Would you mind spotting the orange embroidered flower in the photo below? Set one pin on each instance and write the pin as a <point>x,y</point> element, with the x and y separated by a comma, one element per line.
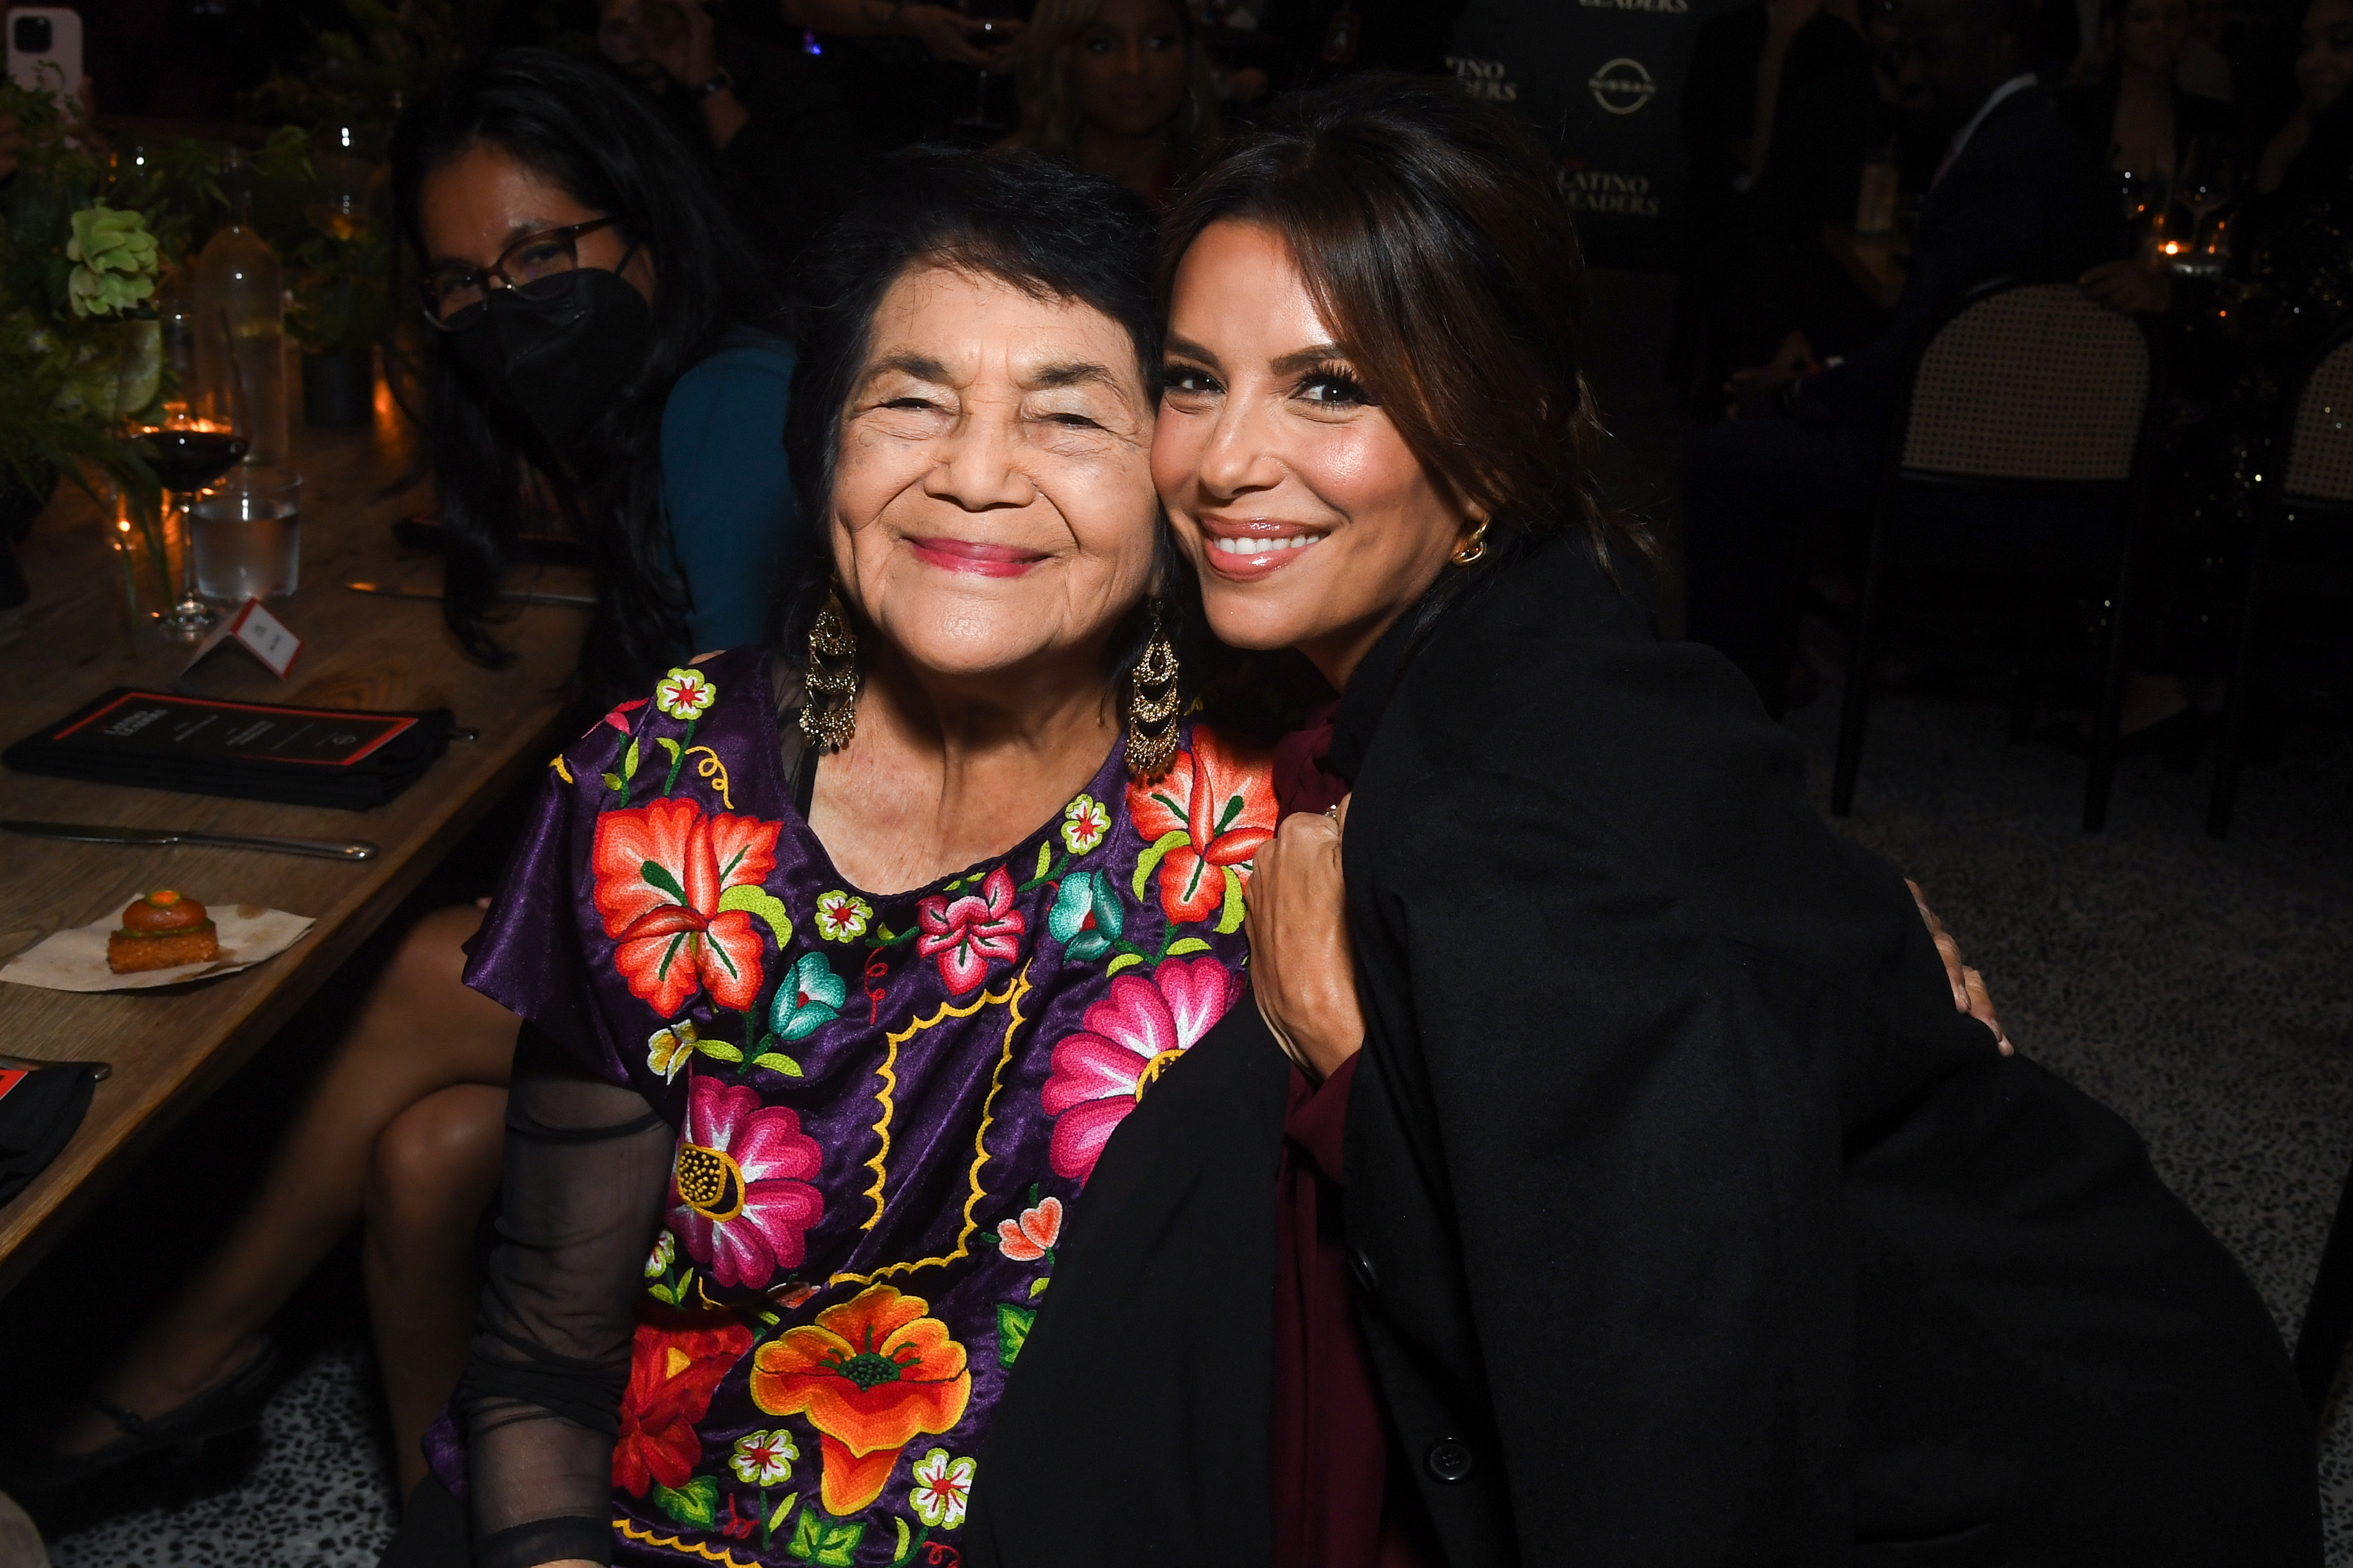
<point>870,1375</point>
<point>1033,1236</point>
<point>671,1376</point>
<point>665,873</point>
<point>1205,818</point>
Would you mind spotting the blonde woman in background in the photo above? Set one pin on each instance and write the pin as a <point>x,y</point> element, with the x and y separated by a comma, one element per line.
<point>1120,87</point>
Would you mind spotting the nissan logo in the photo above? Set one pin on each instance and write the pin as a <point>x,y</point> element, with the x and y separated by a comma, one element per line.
<point>1622,86</point>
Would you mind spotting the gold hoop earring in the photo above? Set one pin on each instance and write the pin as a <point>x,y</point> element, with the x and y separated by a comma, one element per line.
<point>830,710</point>
<point>1473,548</point>
<point>1152,703</point>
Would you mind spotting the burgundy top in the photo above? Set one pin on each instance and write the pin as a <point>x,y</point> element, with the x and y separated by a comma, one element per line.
<point>1331,1455</point>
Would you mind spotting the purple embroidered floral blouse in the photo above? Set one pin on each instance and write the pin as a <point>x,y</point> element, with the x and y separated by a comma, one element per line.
<point>881,1103</point>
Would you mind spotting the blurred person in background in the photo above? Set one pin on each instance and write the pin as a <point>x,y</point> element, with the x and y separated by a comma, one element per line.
<point>2205,69</point>
<point>2244,337</point>
<point>1120,87</point>
<point>1721,320</point>
<point>774,133</point>
<point>598,336</point>
<point>2137,114</point>
<point>2015,191</point>
<point>1831,130</point>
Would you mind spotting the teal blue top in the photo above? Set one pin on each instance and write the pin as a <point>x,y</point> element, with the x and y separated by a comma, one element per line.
<point>726,489</point>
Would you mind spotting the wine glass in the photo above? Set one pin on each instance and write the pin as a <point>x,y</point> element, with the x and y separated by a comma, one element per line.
<point>2145,195</point>
<point>188,452</point>
<point>2203,186</point>
<point>204,433</point>
<point>992,33</point>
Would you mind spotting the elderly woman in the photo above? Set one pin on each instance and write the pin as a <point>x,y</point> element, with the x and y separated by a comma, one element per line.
<point>840,963</point>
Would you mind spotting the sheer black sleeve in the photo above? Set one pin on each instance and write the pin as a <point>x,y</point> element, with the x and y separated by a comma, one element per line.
<point>585,1179</point>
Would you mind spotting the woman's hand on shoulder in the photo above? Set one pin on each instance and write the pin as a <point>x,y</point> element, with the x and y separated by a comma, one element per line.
<point>1970,993</point>
<point>1302,972</point>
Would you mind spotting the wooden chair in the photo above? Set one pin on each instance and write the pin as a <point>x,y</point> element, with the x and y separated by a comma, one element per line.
<point>2024,387</point>
<point>2313,488</point>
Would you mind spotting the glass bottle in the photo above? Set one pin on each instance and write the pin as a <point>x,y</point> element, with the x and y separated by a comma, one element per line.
<point>240,303</point>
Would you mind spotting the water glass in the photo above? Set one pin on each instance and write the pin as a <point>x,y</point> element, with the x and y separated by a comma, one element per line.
<point>247,533</point>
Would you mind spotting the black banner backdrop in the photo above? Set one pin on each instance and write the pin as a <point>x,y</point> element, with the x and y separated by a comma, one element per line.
<point>1602,81</point>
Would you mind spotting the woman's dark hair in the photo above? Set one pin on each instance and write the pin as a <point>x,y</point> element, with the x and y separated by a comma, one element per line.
<point>1027,221</point>
<point>585,130</point>
<point>1432,233</point>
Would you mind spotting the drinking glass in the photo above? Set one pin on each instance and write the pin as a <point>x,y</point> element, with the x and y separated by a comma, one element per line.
<point>245,536</point>
<point>2203,186</point>
<point>188,452</point>
<point>2145,196</point>
<point>990,31</point>
<point>203,435</point>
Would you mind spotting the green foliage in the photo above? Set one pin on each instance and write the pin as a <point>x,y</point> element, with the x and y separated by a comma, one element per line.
<point>114,261</point>
<point>1012,1332</point>
<point>696,1503</point>
<point>391,54</point>
<point>825,1542</point>
<point>78,350</point>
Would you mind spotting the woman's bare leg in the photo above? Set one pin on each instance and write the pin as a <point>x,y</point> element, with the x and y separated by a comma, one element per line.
<point>434,1169</point>
<point>418,1032</point>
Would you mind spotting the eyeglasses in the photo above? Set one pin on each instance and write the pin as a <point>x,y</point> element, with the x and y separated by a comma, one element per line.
<point>530,265</point>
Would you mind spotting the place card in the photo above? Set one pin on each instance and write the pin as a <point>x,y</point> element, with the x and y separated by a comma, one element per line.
<point>259,633</point>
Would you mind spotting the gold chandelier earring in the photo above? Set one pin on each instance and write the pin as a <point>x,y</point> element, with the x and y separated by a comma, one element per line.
<point>1152,703</point>
<point>1474,548</point>
<point>829,709</point>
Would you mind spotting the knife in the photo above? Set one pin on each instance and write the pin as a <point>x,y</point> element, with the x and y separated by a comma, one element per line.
<point>98,1070</point>
<point>536,597</point>
<point>81,833</point>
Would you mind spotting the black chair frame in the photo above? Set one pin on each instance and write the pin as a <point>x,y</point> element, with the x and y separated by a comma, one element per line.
<point>1870,630</point>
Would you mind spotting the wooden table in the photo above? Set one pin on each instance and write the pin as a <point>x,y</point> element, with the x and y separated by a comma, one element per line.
<point>1875,261</point>
<point>171,1047</point>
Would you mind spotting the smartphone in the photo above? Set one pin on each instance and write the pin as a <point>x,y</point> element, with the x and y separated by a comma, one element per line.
<point>45,49</point>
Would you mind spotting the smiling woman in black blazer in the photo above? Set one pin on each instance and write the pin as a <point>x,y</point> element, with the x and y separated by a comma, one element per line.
<point>1688,1221</point>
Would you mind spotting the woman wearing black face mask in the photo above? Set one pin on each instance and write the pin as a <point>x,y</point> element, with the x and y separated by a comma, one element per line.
<point>595,347</point>
<point>596,317</point>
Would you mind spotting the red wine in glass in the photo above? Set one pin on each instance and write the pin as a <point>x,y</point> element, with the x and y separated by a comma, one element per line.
<point>188,459</point>
<point>191,459</point>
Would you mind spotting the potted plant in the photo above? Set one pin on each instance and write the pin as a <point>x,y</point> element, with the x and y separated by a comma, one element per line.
<point>79,351</point>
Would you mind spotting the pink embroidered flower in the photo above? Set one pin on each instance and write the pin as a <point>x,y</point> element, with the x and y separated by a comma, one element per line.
<point>1136,1029</point>
<point>966,933</point>
<point>1033,1236</point>
<point>740,1197</point>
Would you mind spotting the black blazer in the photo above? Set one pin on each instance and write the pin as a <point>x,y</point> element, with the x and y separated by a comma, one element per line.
<point>1693,1224</point>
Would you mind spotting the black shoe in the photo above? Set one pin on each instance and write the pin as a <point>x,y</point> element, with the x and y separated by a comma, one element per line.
<point>230,1406</point>
<point>2177,739</point>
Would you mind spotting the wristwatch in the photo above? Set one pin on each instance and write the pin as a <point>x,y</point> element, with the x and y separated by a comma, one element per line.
<point>719,83</point>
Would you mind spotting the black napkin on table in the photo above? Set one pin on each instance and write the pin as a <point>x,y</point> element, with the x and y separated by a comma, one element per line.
<point>39,1110</point>
<point>348,758</point>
